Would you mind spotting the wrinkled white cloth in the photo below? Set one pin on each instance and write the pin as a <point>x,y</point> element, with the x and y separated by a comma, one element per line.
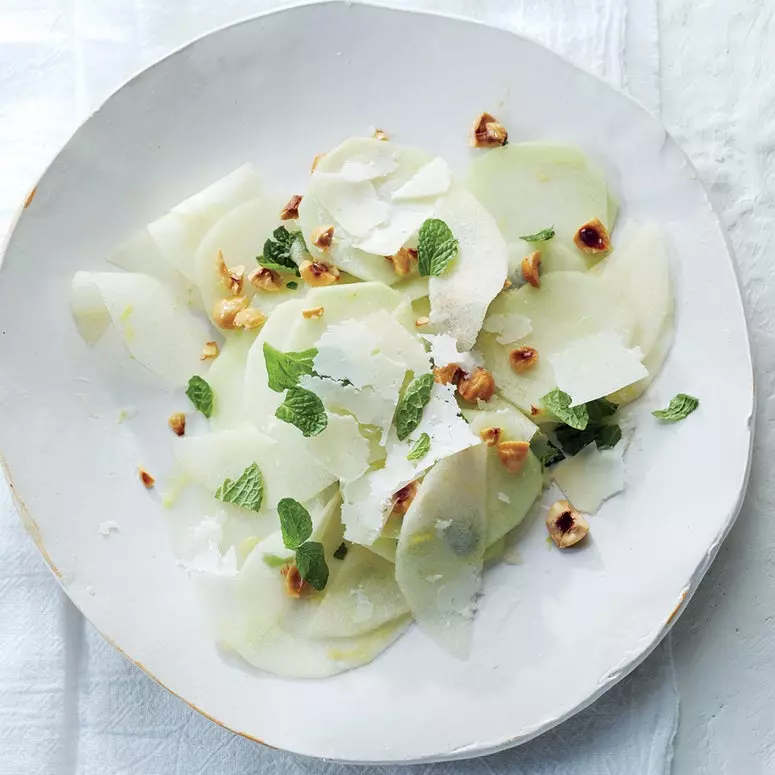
<point>69,704</point>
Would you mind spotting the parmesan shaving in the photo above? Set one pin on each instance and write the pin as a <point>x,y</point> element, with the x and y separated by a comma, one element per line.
<point>592,476</point>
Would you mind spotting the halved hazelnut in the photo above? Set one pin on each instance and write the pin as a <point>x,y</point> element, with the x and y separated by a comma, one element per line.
<point>487,132</point>
<point>403,261</point>
<point>423,321</point>
<point>266,279</point>
<point>231,278</point>
<point>147,480</point>
<point>177,422</point>
<point>313,312</point>
<point>513,455</point>
<point>479,386</point>
<point>317,274</point>
<point>323,237</point>
<point>565,525</point>
<point>380,134</point>
<point>490,436</point>
<point>209,351</point>
<point>402,499</point>
<point>250,317</point>
<point>531,267</point>
<point>592,238</point>
<point>446,374</point>
<point>225,310</point>
<point>523,359</point>
<point>294,583</point>
<point>291,210</point>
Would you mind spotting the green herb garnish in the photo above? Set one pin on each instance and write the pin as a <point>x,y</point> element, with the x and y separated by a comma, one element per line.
<point>421,448</point>
<point>680,407</point>
<point>201,395</point>
<point>303,409</point>
<point>436,247</point>
<point>280,249</point>
<point>558,403</point>
<point>285,369</point>
<point>573,441</point>
<point>246,492</point>
<point>295,523</point>
<point>409,409</point>
<point>540,236</point>
<point>341,551</point>
<point>292,285</point>
<point>311,562</point>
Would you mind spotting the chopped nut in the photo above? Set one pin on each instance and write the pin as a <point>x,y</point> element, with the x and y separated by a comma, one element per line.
<point>478,386</point>
<point>446,374</point>
<point>209,351</point>
<point>294,583</point>
<point>534,410</point>
<point>266,279</point>
<point>146,478</point>
<point>314,312</point>
<point>523,359</point>
<point>231,278</point>
<point>487,132</point>
<point>402,500</point>
<point>249,318</point>
<point>291,210</point>
<point>565,525</point>
<point>322,237</point>
<point>177,422</point>
<point>316,273</point>
<point>490,436</point>
<point>423,321</point>
<point>225,310</point>
<point>506,284</point>
<point>531,266</point>
<point>592,238</point>
<point>513,455</point>
<point>380,134</point>
<point>316,161</point>
<point>403,261</point>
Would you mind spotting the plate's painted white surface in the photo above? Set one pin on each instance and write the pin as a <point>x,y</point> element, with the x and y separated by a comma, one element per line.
<point>553,632</point>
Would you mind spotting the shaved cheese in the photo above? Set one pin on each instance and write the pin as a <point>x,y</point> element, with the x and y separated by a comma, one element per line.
<point>401,223</point>
<point>441,548</point>
<point>157,330</point>
<point>206,539</point>
<point>513,424</point>
<point>227,379</point>
<point>596,366</point>
<point>510,327</point>
<point>433,179</point>
<point>368,166</point>
<point>353,205</point>
<point>590,477</point>
<point>460,296</point>
<point>444,351</point>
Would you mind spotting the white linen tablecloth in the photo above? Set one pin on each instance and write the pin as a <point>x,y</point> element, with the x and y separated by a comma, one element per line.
<point>70,704</point>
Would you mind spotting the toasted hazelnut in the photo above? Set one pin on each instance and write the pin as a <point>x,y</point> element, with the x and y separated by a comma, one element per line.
<point>294,583</point>
<point>380,134</point>
<point>490,436</point>
<point>209,351</point>
<point>316,273</point>
<point>403,261</point>
<point>531,267</point>
<point>225,310</point>
<point>592,238</point>
<point>250,317</point>
<point>147,480</point>
<point>313,312</point>
<point>506,284</point>
<point>266,279</point>
<point>534,410</point>
<point>487,132</point>
<point>446,374</point>
<point>423,321</point>
<point>323,237</point>
<point>402,499</point>
<point>523,359</point>
<point>177,422</point>
<point>513,455</point>
<point>478,386</point>
<point>291,211</point>
<point>565,525</point>
<point>231,278</point>
<point>316,161</point>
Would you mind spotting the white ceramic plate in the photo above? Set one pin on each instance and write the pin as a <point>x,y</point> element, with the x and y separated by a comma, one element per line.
<point>554,632</point>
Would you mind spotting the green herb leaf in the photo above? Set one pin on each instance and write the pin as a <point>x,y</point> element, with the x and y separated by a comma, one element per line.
<point>409,409</point>
<point>201,395</point>
<point>280,249</point>
<point>558,403</point>
<point>311,562</point>
<point>295,523</point>
<point>285,369</point>
<point>292,285</point>
<point>421,448</point>
<point>600,410</point>
<point>341,552</point>
<point>246,492</point>
<point>540,236</point>
<point>573,441</point>
<point>436,247</point>
<point>680,407</point>
<point>303,409</point>
<point>545,451</point>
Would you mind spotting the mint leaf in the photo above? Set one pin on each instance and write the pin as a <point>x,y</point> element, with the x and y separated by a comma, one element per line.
<point>292,285</point>
<point>680,407</point>
<point>409,409</point>
<point>303,409</point>
<point>600,409</point>
<point>341,552</point>
<point>246,492</point>
<point>280,249</point>
<point>201,395</point>
<point>311,562</point>
<point>558,403</point>
<point>544,450</point>
<point>285,369</point>
<point>540,236</point>
<point>421,448</point>
<point>436,247</point>
<point>573,441</point>
<point>295,523</point>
